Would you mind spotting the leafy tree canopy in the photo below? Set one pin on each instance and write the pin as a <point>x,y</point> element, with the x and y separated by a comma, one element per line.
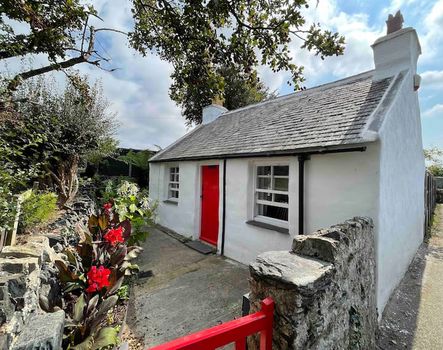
<point>53,132</point>
<point>137,158</point>
<point>433,157</point>
<point>200,37</point>
<point>239,90</point>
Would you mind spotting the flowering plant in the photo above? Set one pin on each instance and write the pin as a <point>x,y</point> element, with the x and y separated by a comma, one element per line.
<point>92,275</point>
<point>131,204</point>
<point>114,236</point>
<point>98,278</point>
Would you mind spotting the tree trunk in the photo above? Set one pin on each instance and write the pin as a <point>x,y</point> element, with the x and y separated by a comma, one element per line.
<point>65,179</point>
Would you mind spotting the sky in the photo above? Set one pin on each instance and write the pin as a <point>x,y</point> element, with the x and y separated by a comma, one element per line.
<point>147,117</point>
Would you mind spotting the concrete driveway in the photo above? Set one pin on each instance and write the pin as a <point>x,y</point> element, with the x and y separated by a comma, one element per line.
<point>187,292</point>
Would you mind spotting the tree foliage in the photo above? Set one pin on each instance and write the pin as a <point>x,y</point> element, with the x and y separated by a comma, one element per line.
<point>200,37</point>
<point>239,89</point>
<point>54,132</point>
<point>59,29</point>
<point>433,156</point>
<point>138,158</point>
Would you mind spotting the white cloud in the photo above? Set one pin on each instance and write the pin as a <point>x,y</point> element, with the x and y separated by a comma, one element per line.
<point>432,78</point>
<point>357,58</point>
<point>432,39</point>
<point>434,111</point>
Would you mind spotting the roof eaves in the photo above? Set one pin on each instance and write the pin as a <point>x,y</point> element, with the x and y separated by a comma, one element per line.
<point>356,145</point>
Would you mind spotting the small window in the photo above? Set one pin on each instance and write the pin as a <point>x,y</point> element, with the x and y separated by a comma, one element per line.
<point>173,186</point>
<point>271,192</point>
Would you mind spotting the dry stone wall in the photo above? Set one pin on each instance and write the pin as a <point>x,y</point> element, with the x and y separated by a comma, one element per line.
<point>324,289</point>
<point>25,284</point>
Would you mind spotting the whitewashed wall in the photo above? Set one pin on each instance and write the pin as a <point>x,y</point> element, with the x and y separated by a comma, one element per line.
<point>182,217</point>
<point>338,187</point>
<point>401,215</point>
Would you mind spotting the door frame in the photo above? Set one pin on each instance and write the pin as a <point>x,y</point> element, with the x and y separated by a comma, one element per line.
<point>199,188</point>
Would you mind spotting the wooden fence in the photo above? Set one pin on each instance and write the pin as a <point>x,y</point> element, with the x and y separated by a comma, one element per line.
<point>430,198</point>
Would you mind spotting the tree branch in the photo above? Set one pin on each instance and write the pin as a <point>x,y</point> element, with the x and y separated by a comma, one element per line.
<point>83,58</point>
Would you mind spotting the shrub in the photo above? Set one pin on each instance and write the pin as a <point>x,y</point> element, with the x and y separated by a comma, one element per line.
<point>7,208</point>
<point>131,203</point>
<point>38,208</point>
<point>436,170</point>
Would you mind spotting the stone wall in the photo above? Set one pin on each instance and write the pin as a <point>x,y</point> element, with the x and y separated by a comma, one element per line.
<point>324,289</point>
<point>26,283</point>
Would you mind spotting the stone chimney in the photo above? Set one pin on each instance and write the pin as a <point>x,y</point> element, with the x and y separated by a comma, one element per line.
<point>398,50</point>
<point>213,111</point>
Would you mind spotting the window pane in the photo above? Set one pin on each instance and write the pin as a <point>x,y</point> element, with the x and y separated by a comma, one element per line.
<point>171,177</point>
<point>264,196</point>
<point>281,198</point>
<point>176,178</point>
<point>264,183</point>
<point>264,170</point>
<point>281,170</point>
<point>281,184</point>
<point>173,194</point>
<point>273,212</point>
<point>172,185</point>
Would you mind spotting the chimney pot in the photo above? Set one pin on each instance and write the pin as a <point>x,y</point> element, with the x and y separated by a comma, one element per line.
<point>394,23</point>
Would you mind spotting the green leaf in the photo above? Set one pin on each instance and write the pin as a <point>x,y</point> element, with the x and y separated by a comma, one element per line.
<point>79,308</point>
<point>132,208</point>
<point>106,336</point>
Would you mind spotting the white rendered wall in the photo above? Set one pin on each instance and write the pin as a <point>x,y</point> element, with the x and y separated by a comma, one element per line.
<point>401,215</point>
<point>337,187</point>
<point>183,216</point>
<point>179,217</point>
<point>243,242</point>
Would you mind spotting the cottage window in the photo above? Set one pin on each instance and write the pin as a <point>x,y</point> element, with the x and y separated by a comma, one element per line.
<point>271,193</point>
<point>173,186</point>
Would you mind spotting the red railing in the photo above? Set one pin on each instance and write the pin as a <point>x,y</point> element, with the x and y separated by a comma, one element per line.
<point>234,331</point>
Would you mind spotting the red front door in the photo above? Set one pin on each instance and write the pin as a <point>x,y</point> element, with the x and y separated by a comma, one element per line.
<point>209,204</point>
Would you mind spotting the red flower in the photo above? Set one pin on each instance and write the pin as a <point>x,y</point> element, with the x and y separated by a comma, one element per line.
<point>107,207</point>
<point>98,279</point>
<point>114,235</point>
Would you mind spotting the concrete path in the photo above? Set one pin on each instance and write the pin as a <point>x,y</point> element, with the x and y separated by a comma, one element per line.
<point>187,292</point>
<point>413,318</point>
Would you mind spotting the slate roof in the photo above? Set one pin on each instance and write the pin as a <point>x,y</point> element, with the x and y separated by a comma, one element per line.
<point>329,115</point>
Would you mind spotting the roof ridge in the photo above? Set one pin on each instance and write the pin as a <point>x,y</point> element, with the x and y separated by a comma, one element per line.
<point>303,92</point>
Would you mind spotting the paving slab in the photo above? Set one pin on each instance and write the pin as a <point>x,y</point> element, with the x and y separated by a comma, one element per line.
<point>187,291</point>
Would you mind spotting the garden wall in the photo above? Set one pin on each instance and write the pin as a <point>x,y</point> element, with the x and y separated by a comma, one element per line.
<point>324,289</point>
<point>26,282</point>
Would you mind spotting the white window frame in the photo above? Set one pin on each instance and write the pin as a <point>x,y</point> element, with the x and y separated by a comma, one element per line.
<point>173,182</point>
<point>256,190</point>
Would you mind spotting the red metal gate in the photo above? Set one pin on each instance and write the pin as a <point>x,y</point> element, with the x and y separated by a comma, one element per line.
<point>234,331</point>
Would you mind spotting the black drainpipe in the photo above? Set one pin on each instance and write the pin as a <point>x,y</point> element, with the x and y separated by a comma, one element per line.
<point>224,208</point>
<point>301,192</point>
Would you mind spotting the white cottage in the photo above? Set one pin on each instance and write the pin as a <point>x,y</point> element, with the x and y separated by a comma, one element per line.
<point>247,181</point>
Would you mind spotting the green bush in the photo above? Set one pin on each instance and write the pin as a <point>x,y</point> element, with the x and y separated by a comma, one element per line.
<point>436,169</point>
<point>38,208</point>
<point>133,204</point>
